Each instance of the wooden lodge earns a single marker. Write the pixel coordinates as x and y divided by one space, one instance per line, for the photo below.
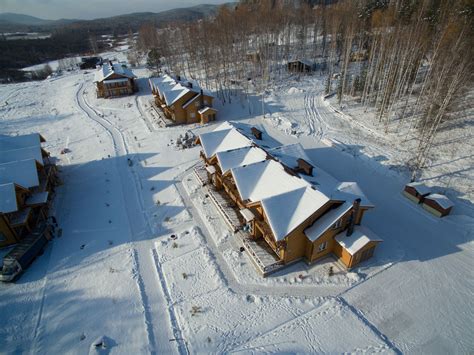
27 181
438 204
416 191
182 101
297 209
113 80
300 66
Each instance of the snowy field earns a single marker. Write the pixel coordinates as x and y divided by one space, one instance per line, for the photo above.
146 263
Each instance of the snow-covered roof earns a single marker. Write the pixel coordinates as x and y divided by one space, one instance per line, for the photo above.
191 100
33 152
22 172
289 154
264 179
360 237
349 191
176 93
8 198
113 81
37 198
173 90
222 140
305 61
288 210
205 109
441 200
18 142
421 188
116 68
238 157
325 222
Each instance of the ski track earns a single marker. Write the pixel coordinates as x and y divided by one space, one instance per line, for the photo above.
158 341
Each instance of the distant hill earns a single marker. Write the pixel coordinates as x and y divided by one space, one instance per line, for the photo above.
10 22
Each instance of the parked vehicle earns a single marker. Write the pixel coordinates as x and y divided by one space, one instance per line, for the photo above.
23 254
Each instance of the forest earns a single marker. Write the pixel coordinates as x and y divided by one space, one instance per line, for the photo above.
403 58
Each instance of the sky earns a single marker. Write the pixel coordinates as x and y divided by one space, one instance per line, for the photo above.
90 9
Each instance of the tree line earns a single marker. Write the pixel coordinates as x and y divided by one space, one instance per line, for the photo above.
403 58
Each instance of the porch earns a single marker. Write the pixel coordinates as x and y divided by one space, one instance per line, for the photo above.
223 203
262 256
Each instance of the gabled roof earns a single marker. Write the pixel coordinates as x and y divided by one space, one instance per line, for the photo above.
173 90
359 239
205 109
441 200
8 198
264 179
222 140
22 172
422 189
287 211
108 70
238 157
289 154
33 152
323 223
18 142
349 190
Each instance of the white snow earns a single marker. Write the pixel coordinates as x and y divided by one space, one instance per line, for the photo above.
37 198
441 200
325 222
223 140
33 152
288 210
115 274
21 141
239 157
422 189
22 172
360 237
8 198
107 69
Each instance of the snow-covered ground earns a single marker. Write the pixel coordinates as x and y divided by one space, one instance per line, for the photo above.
146 263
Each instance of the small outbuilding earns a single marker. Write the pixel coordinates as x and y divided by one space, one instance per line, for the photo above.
416 191
438 204
300 66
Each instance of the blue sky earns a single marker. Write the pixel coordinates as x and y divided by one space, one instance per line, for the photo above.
89 9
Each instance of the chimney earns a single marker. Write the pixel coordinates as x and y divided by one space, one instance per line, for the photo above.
305 167
190 84
201 98
178 77
355 212
257 133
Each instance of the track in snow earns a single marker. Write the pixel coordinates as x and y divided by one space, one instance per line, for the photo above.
154 303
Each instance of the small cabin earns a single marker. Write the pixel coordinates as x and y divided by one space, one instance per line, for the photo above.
113 80
304 167
438 204
416 191
300 66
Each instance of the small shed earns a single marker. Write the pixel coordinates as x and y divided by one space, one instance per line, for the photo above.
416 191
300 66
438 204
357 247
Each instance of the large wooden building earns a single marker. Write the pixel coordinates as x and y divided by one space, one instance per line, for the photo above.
27 179
113 80
182 101
300 211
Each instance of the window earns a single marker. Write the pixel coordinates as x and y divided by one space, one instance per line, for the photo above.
2 237
193 115
338 224
205 102
196 103
322 246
